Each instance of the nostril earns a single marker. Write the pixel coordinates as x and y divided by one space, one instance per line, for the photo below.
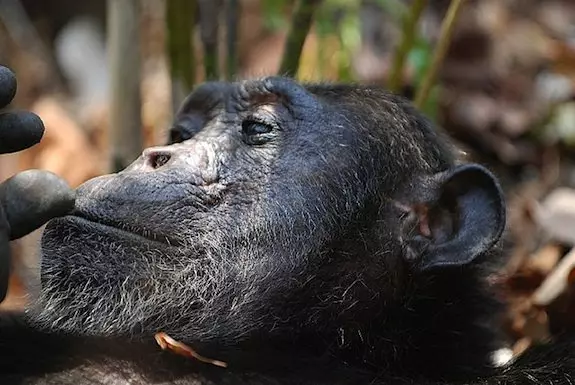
158 159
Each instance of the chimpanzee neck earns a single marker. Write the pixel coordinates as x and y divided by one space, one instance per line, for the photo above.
41 358
51 360
448 325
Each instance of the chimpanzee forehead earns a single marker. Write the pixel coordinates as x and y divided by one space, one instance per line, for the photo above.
338 112
234 96
205 97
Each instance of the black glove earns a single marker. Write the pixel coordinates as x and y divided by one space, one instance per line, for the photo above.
32 197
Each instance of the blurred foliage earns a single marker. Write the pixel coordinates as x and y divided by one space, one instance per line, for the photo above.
302 19
396 8
505 92
338 32
419 58
557 126
179 21
275 14
409 26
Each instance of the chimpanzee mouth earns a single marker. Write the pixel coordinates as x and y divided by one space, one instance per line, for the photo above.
114 228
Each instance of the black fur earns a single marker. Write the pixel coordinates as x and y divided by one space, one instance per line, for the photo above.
305 235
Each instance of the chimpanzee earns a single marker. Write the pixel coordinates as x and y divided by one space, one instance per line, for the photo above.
298 234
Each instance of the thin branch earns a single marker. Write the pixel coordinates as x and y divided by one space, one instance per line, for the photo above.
408 33
445 35
300 25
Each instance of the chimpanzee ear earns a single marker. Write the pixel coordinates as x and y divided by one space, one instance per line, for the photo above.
462 216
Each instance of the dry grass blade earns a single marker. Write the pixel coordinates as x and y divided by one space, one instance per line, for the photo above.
167 342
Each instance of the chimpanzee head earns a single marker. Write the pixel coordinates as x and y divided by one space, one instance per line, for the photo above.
276 210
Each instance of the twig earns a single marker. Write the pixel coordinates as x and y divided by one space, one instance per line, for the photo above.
408 33
168 343
443 44
299 29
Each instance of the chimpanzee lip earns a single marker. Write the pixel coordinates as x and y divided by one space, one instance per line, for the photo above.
84 219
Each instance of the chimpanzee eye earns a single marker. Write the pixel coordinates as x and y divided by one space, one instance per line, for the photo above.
253 127
256 132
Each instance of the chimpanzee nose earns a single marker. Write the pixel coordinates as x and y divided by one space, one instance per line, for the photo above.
198 158
156 157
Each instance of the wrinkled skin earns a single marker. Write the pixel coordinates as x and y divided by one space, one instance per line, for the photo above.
222 234
306 235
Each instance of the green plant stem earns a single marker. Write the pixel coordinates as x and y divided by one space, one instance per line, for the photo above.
232 15
209 32
180 17
299 29
445 35
408 32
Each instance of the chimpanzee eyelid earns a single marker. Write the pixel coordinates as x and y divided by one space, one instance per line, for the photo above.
262 118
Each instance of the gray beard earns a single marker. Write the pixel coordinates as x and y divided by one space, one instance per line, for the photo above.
216 295
216 285
121 291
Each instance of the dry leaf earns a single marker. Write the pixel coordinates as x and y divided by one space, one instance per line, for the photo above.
546 258
556 282
521 346
167 342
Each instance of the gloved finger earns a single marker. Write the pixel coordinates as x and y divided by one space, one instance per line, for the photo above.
33 197
5 262
8 86
19 130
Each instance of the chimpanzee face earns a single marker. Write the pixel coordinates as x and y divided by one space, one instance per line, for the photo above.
273 206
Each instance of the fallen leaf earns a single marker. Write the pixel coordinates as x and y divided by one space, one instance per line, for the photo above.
556 282
167 342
